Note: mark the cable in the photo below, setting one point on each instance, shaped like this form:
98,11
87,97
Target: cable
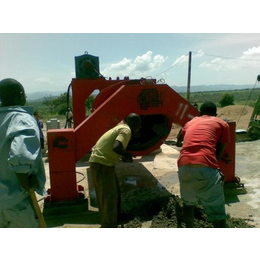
68,105
160,81
80,173
246,102
231,58
171,66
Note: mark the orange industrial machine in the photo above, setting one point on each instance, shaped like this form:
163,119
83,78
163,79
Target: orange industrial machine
157,104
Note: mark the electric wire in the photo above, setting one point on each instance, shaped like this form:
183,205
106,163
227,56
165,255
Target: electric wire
171,66
68,105
246,102
80,173
231,58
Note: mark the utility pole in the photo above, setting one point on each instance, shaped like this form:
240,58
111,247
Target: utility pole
189,77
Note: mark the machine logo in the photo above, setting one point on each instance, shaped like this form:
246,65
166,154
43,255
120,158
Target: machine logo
149,98
60,142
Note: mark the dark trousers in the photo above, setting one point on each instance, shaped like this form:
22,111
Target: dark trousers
108,193
42,143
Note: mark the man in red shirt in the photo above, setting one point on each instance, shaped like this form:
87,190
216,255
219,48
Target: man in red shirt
199,174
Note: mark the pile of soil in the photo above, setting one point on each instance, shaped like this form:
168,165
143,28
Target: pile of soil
240,114
237,113
170,215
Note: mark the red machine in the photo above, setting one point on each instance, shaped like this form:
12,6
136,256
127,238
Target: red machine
157,104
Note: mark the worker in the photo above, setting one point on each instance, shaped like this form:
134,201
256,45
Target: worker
108,149
204,140
21,166
40,125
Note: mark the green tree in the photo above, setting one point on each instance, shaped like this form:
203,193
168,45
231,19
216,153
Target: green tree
227,99
49,102
60,104
89,103
56,105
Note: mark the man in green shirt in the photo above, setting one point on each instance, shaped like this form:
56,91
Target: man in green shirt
108,149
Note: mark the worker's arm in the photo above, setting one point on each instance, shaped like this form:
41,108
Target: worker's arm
119,149
219,151
179,138
24,158
221,144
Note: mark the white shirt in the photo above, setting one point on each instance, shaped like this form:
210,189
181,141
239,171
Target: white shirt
20,152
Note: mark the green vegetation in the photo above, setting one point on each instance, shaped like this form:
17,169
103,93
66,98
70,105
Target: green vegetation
241,97
55,107
227,99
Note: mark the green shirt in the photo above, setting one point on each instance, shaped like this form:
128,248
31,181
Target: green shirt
103,151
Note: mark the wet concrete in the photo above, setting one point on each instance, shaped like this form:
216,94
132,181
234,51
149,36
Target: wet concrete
155,175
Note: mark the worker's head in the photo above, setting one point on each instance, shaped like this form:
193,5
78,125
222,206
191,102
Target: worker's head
134,122
208,108
12,93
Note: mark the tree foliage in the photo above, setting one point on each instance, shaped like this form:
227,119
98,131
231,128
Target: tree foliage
48,102
227,99
89,103
241,97
59,104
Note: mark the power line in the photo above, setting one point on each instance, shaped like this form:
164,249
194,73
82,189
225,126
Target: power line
206,54
231,58
171,66
246,102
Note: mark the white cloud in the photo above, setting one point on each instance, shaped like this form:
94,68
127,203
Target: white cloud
249,59
141,66
252,52
42,80
200,53
183,60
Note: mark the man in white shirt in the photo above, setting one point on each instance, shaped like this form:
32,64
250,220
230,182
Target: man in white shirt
21,166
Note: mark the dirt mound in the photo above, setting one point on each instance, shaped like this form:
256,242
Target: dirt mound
240,114
171,216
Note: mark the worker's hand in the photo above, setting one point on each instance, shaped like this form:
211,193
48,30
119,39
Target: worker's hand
27,181
227,158
127,157
33,181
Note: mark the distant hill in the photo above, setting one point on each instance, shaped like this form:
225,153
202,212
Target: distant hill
204,88
41,94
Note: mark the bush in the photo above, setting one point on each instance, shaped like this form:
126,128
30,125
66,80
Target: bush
226,100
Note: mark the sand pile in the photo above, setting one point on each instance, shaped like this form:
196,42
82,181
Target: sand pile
240,114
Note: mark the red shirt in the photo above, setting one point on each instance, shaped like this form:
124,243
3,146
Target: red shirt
201,135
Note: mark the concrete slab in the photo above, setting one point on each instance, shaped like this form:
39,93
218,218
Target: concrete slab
248,170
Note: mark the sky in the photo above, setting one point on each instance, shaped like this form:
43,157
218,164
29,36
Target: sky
45,61
39,42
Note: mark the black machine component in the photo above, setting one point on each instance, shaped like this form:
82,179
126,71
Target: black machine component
87,67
